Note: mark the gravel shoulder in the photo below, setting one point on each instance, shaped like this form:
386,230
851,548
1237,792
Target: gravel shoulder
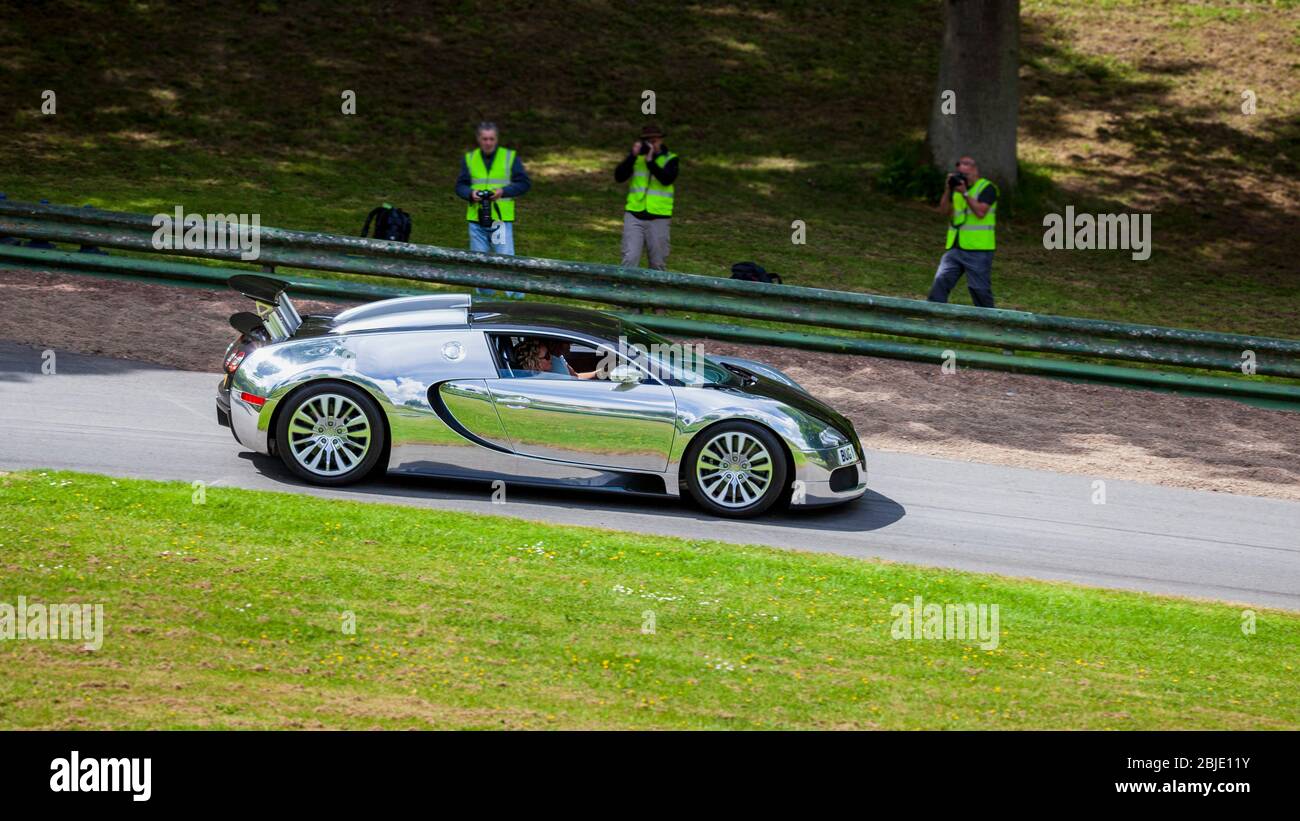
978,416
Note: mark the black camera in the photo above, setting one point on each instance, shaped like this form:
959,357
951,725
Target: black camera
484,208
955,180
645,148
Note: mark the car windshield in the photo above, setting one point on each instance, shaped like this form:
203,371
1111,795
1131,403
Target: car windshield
674,362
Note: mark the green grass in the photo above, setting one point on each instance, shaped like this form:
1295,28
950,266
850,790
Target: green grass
228,614
781,111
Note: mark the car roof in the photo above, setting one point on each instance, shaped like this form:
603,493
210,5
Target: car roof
459,310
428,310
542,315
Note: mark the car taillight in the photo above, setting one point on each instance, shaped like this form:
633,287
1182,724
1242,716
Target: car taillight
252,399
233,360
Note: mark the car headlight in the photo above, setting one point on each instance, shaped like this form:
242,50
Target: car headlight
832,438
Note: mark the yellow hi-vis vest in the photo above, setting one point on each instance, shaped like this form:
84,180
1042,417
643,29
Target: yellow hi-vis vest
976,232
645,192
482,179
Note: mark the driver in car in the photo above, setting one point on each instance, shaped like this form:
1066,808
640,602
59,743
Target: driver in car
558,351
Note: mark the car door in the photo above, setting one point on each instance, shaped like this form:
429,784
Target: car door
597,422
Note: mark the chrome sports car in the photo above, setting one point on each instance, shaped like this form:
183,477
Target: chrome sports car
434,386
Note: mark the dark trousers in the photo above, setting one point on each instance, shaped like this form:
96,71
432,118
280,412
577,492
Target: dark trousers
978,268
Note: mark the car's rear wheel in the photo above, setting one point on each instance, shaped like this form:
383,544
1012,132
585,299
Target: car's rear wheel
330,434
735,469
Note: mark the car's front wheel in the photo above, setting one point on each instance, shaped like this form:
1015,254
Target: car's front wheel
735,469
330,434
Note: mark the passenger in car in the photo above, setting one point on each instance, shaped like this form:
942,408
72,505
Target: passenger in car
530,358
535,359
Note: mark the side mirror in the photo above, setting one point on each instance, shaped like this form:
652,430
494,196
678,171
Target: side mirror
624,374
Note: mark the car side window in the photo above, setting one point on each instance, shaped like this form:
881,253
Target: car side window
542,357
529,357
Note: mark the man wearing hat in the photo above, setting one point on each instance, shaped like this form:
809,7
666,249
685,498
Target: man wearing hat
650,171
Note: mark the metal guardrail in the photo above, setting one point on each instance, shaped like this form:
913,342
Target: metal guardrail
954,325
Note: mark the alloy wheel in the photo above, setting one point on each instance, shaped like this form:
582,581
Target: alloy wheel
734,469
329,434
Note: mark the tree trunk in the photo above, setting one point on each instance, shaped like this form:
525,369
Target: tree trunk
979,62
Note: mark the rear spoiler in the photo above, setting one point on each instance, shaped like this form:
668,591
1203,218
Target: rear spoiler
274,307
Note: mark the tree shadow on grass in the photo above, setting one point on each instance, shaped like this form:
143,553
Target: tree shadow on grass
1205,179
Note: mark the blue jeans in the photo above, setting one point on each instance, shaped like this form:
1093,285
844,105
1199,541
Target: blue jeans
978,268
480,239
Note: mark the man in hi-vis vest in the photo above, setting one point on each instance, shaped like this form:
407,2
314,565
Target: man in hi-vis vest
491,179
649,171
971,203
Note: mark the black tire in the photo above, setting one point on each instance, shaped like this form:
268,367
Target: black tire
336,446
739,489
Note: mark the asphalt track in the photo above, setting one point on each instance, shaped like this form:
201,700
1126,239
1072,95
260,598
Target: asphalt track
131,419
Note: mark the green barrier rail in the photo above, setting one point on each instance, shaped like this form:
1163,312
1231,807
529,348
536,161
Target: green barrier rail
1261,393
951,324
960,324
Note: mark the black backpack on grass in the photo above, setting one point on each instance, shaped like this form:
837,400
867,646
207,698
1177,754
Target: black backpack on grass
753,272
390,223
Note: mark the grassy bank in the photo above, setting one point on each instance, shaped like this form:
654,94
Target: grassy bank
230,613
781,111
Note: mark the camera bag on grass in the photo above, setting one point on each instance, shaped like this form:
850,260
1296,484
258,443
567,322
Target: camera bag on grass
753,272
390,223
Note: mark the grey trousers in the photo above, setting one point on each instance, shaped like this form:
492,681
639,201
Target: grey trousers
649,234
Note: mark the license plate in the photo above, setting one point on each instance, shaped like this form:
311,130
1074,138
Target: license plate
847,455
